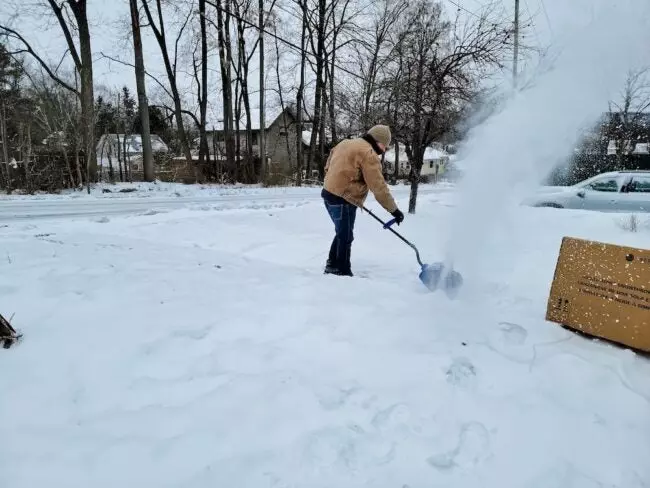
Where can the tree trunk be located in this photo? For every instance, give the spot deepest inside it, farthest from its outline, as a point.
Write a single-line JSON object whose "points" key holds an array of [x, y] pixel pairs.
{"points": [[111, 170], [320, 82], [245, 99], [120, 157], [159, 33], [413, 197], [321, 143], [250, 157], [83, 62], [239, 171], [369, 88], [204, 151], [87, 90], [28, 158], [396, 169], [68, 167], [125, 156], [261, 138], [300, 95], [5, 146], [332, 108], [416, 170], [281, 97], [225, 56], [77, 163], [143, 104]]}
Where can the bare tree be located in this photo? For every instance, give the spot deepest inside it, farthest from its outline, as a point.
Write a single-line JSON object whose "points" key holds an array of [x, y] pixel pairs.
{"points": [[374, 55], [440, 66], [300, 95], [143, 103], [204, 151], [242, 9], [225, 63], [171, 67], [627, 113], [82, 58], [319, 31]]}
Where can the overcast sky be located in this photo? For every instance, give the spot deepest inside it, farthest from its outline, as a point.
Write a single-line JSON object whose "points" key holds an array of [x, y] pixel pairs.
{"points": [[553, 19]]}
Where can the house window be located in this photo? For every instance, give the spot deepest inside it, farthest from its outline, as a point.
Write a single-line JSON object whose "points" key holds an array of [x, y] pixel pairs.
{"points": [[431, 164]]}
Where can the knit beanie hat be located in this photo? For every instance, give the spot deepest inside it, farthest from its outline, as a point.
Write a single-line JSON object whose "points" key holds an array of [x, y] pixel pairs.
{"points": [[381, 134]]}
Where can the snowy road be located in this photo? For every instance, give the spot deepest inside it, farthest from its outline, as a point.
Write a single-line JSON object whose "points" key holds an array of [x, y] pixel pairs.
{"points": [[20, 209]]}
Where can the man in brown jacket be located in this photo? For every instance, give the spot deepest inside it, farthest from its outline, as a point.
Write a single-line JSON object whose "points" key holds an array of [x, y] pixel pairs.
{"points": [[353, 168]]}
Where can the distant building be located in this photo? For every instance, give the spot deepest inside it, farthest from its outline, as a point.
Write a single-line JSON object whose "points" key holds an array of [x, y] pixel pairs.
{"points": [[281, 140], [127, 147], [434, 165], [117, 152]]}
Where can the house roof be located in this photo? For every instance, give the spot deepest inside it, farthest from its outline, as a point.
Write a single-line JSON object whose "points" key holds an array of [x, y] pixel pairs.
{"points": [[306, 136], [133, 143], [270, 116], [430, 154]]}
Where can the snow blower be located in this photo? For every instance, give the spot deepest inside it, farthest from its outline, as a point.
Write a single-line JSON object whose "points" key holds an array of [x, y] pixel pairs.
{"points": [[433, 276]]}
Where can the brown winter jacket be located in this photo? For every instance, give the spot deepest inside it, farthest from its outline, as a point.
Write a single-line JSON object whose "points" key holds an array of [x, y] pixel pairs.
{"points": [[353, 167]]}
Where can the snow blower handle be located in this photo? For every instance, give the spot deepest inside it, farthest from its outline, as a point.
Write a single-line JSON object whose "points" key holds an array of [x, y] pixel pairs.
{"points": [[387, 225]]}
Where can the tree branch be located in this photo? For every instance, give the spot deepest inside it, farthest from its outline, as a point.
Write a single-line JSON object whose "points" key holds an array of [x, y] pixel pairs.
{"points": [[180, 34], [58, 11], [125, 63], [28, 48]]}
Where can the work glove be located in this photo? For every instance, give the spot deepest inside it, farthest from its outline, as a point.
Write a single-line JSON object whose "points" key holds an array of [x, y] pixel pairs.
{"points": [[399, 216]]}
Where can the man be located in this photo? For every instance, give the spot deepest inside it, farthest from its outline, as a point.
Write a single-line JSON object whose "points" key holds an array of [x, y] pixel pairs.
{"points": [[353, 168]]}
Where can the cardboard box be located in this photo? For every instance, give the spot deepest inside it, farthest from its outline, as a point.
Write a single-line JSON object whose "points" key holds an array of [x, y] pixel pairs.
{"points": [[602, 290]]}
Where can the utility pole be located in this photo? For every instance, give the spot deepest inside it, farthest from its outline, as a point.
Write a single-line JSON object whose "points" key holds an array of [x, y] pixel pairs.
{"points": [[262, 117], [516, 46]]}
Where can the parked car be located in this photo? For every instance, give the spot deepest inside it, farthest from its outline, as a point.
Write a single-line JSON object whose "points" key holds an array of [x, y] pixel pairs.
{"points": [[616, 191]]}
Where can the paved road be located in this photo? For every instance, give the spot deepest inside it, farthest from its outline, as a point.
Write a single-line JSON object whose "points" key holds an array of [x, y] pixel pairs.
{"points": [[31, 209]]}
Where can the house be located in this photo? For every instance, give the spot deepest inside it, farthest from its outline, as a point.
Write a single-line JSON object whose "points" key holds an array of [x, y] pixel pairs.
{"points": [[127, 147], [639, 148], [435, 161], [281, 139], [117, 152]]}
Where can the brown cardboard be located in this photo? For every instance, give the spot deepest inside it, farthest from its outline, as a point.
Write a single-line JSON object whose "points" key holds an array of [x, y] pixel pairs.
{"points": [[602, 290]]}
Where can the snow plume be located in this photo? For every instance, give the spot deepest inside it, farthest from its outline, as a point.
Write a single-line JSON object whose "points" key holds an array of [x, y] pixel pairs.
{"points": [[509, 154]]}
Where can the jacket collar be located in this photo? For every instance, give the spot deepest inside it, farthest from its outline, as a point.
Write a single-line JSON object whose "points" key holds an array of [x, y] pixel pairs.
{"points": [[371, 140]]}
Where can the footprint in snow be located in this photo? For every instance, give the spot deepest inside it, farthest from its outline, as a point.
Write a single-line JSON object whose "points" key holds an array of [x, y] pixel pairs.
{"points": [[472, 448], [346, 448], [461, 373], [513, 334], [332, 398], [395, 417]]}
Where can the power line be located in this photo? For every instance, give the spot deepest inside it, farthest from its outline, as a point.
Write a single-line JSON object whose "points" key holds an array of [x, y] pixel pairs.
{"points": [[481, 17], [460, 7], [530, 13], [548, 19]]}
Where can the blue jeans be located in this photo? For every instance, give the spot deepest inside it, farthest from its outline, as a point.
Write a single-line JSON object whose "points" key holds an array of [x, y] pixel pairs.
{"points": [[343, 215]]}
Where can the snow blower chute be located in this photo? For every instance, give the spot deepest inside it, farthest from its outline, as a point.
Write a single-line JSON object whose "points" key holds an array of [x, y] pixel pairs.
{"points": [[433, 276]]}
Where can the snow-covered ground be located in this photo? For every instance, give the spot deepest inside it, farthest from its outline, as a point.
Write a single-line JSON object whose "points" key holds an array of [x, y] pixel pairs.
{"points": [[203, 348]]}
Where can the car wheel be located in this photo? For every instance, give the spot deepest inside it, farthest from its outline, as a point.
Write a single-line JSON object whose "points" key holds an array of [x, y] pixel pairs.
{"points": [[549, 205]]}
